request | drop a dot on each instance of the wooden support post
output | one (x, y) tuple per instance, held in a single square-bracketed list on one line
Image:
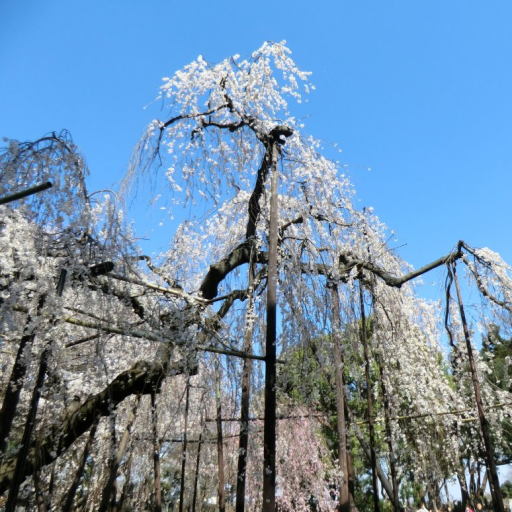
[(184, 450), (25, 193), (343, 495), (369, 398), (198, 462), (221, 492), (156, 454), (243, 445), (27, 433), (494, 481), (269, 434)]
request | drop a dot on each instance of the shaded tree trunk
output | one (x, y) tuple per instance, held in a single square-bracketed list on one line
[(15, 385), (156, 454), (27, 432), (350, 470), (185, 447), (107, 491), (220, 443), (67, 505), (51, 486), (141, 378), (464, 493), (113, 450)]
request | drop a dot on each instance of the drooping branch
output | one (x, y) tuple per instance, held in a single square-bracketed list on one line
[(141, 378), (480, 285)]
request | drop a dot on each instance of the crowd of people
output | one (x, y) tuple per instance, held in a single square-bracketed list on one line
[(479, 507)]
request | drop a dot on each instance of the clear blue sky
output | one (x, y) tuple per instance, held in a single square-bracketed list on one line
[(418, 91)]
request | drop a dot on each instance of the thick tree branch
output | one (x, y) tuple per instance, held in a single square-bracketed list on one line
[(141, 378), (254, 207), (347, 264), (218, 271)]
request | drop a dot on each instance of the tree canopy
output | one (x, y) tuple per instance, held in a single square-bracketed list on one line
[(115, 362)]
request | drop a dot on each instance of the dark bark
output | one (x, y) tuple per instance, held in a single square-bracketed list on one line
[(220, 443), (269, 433), (198, 462), (347, 263), (494, 482), (254, 208), (156, 454), (245, 400), (15, 385), (482, 485), (369, 398), (217, 272), (67, 505), (21, 458), (140, 379), (112, 491), (464, 493), (116, 462), (350, 469), (25, 193), (185, 448), (344, 496), (241, 255)]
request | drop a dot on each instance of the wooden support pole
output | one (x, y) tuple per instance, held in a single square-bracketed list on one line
[(25, 193), (198, 462), (369, 399), (343, 495), (27, 433), (494, 481), (245, 399), (269, 434), (221, 492), (156, 454), (185, 447)]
